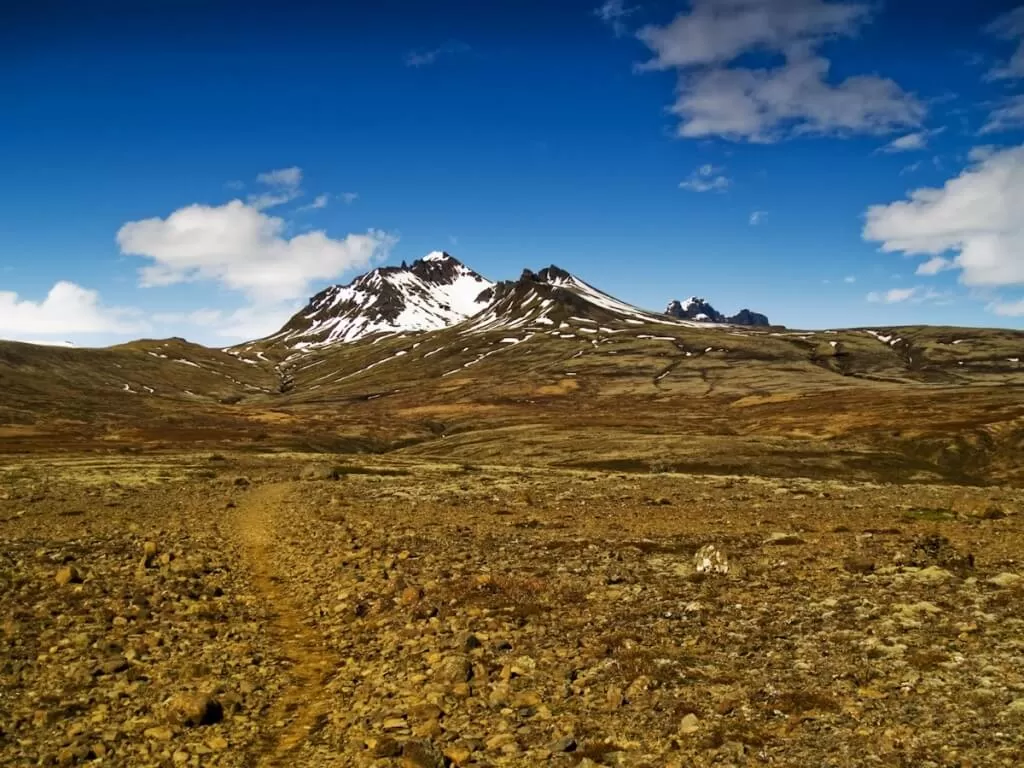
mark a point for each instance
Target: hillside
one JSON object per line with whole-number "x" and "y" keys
{"x": 549, "y": 371}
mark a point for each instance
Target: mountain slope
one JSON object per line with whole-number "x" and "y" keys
{"x": 554, "y": 297}
{"x": 434, "y": 292}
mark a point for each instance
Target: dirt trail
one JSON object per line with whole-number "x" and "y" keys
{"x": 303, "y": 706}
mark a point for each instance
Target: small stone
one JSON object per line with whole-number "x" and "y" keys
{"x": 387, "y": 747}
{"x": 394, "y": 724}
{"x": 458, "y": 754}
{"x": 472, "y": 643}
{"x": 159, "y": 733}
{"x": 217, "y": 743}
{"x": 150, "y": 549}
{"x": 710, "y": 559}
{"x": 114, "y": 665}
{"x": 779, "y": 539}
{"x": 564, "y": 744}
{"x": 689, "y": 725}
{"x": 68, "y": 575}
{"x": 411, "y": 596}
{"x": 319, "y": 472}
{"x": 857, "y": 564}
{"x": 455, "y": 669}
{"x": 195, "y": 709}
{"x": 421, "y": 754}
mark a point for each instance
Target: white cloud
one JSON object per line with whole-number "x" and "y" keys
{"x": 1010, "y": 26}
{"x": 892, "y": 296}
{"x": 765, "y": 105}
{"x": 244, "y": 249}
{"x": 935, "y": 265}
{"x": 1006, "y": 117}
{"x": 1007, "y": 309}
{"x": 719, "y": 31}
{"x": 349, "y": 197}
{"x": 614, "y": 13}
{"x": 849, "y": 279}
{"x": 426, "y": 58}
{"x": 707, "y": 178}
{"x": 285, "y": 186}
{"x": 320, "y": 201}
{"x": 756, "y": 217}
{"x": 67, "y": 309}
{"x": 911, "y": 142}
{"x": 282, "y": 177}
{"x": 245, "y": 323}
{"x": 978, "y": 215}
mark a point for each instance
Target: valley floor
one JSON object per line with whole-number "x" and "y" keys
{"x": 206, "y": 610}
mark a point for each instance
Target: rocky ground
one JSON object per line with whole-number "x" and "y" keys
{"x": 281, "y": 611}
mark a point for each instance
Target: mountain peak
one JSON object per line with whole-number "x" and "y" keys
{"x": 433, "y": 293}
{"x": 438, "y": 256}
{"x": 699, "y": 310}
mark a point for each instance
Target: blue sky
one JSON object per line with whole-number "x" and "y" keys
{"x": 199, "y": 169}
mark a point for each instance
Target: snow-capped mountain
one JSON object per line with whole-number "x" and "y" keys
{"x": 699, "y": 310}
{"x": 554, "y": 297}
{"x": 434, "y": 292}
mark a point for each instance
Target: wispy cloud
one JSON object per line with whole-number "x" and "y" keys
{"x": 427, "y": 57}
{"x": 283, "y": 187}
{"x": 911, "y": 142}
{"x": 1007, "y": 309}
{"x": 917, "y": 295}
{"x": 892, "y": 296}
{"x": 1006, "y": 117}
{"x": 707, "y": 178}
{"x": 849, "y": 279}
{"x": 614, "y": 13}
{"x": 349, "y": 197}
{"x": 320, "y": 201}
{"x": 1009, "y": 27}
{"x": 757, "y": 217}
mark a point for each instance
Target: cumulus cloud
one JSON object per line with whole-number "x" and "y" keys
{"x": 68, "y": 308}
{"x": 718, "y": 31}
{"x": 244, "y": 249}
{"x": 718, "y": 98}
{"x": 978, "y": 216}
{"x": 707, "y": 178}
{"x": 1010, "y": 27}
{"x": 1006, "y": 117}
{"x": 614, "y": 13}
